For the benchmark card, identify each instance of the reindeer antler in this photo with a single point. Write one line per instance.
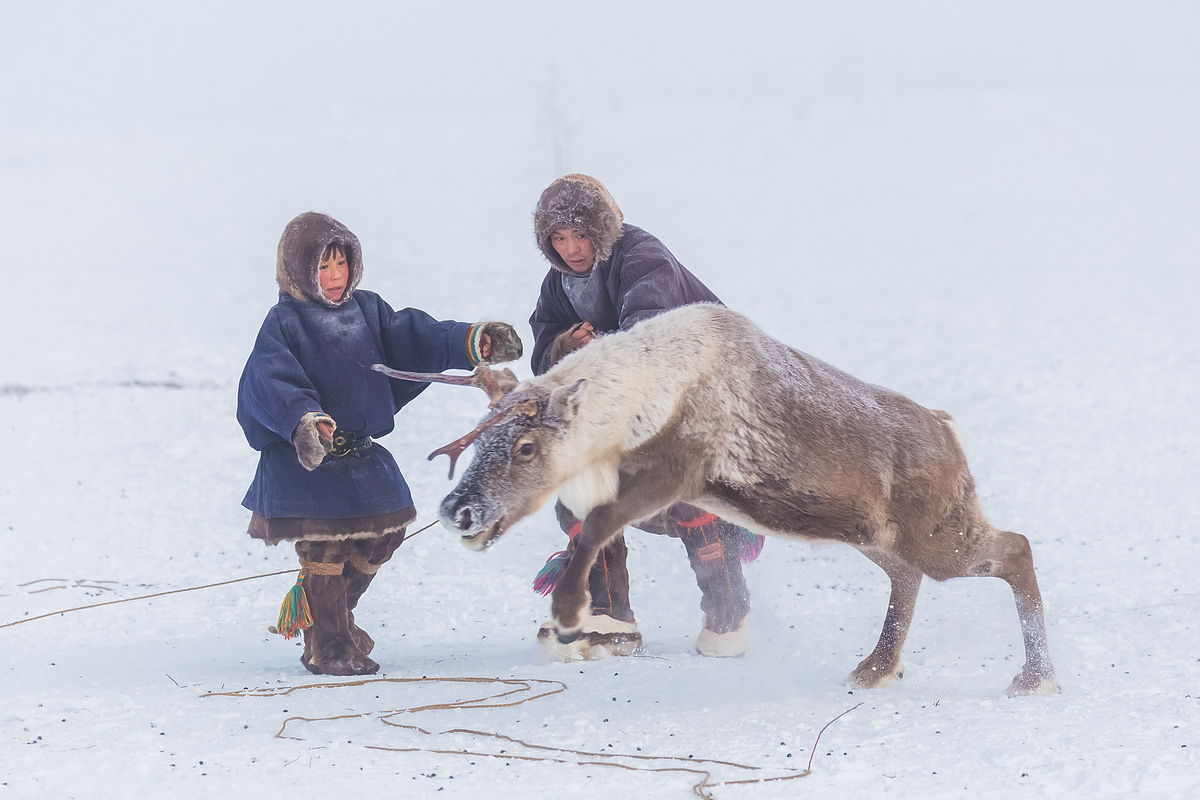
(528, 408)
(496, 383)
(456, 448)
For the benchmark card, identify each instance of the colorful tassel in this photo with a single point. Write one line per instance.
(548, 575)
(294, 614)
(750, 546)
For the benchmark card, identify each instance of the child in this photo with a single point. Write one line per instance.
(604, 277)
(309, 403)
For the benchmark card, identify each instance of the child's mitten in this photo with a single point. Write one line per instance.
(311, 449)
(506, 345)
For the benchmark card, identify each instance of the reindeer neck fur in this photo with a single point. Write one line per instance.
(634, 381)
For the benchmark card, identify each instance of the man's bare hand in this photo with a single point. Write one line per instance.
(583, 332)
(571, 340)
(325, 430)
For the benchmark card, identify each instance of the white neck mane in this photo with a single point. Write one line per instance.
(635, 380)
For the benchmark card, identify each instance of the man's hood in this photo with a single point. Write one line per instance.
(580, 202)
(303, 243)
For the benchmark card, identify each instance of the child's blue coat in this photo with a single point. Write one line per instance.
(310, 357)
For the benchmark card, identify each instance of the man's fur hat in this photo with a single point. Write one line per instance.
(580, 202)
(304, 241)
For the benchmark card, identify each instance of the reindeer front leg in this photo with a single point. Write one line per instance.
(570, 598)
(638, 497)
(884, 665)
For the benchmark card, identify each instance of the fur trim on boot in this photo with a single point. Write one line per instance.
(603, 637)
(724, 645)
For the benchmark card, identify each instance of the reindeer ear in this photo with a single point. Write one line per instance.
(565, 400)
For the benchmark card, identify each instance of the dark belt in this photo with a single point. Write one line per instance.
(349, 442)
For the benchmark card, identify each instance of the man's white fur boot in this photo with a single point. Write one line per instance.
(724, 645)
(602, 637)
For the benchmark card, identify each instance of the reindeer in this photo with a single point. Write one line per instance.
(699, 405)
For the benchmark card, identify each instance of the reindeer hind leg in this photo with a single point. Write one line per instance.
(884, 664)
(1009, 557)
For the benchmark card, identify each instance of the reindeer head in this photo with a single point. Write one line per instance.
(519, 462)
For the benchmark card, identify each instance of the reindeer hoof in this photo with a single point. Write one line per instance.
(567, 638)
(1032, 685)
(869, 676)
(569, 612)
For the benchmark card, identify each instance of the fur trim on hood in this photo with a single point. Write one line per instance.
(580, 202)
(300, 248)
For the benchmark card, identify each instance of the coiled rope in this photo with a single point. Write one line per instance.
(510, 688)
(502, 699)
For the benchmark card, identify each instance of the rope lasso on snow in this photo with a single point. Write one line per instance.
(504, 699)
(147, 597)
(172, 591)
(513, 686)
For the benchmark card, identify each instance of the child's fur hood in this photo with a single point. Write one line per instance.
(580, 202)
(300, 248)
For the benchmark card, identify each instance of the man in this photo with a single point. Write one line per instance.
(606, 276)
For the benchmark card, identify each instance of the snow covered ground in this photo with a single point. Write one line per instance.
(991, 208)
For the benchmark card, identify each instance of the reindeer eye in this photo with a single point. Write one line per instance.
(526, 449)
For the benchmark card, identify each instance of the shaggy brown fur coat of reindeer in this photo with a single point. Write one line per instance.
(698, 405)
